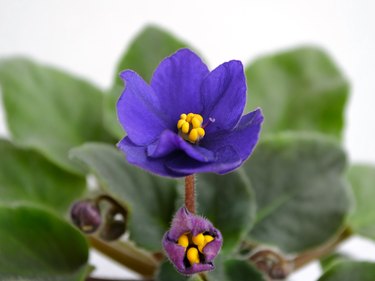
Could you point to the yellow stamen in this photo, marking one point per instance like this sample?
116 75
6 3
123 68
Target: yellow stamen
208 239
201 132
190 127
180 123
198 239
185 128
183 240
193 255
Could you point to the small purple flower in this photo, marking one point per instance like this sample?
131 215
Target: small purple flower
192 243
188 120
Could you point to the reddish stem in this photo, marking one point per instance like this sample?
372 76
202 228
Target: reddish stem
190 193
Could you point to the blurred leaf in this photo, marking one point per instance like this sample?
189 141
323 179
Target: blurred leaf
229 203
362 221
301 89
37 245
49 110
241 270
143 55
151 199
327 262
350 271
301 194
25 175
167 272
229 269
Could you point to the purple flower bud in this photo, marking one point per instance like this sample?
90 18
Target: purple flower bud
86 216
192 243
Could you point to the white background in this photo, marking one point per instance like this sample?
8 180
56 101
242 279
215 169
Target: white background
87 37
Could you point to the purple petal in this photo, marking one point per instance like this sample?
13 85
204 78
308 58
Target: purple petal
176 253
177 82
170 141
227 159
137 155
242 139
139 110
224 96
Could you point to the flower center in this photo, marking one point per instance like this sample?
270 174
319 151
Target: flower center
190 127
194 246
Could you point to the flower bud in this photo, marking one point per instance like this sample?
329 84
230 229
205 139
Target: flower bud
115 224
86 216
192 243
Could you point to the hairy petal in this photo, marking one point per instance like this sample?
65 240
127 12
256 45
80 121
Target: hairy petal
139 110
177 81
224 96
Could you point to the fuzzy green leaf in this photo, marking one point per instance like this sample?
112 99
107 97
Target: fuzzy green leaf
25 175
302 196
301 89
362 221
37 245
50 110
350 271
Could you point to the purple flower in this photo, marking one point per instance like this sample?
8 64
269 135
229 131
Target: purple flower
86 216
192 243
188 120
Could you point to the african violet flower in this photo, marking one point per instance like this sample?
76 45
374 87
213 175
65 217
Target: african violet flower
192 243
188 120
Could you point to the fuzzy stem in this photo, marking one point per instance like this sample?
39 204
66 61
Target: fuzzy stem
127 255
190 193
309 256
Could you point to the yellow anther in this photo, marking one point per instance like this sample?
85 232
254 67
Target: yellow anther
199 117
183 116
189 117
201 132
198 239
196 123
180 123
208 239
183 240
193 135
193 255
185 127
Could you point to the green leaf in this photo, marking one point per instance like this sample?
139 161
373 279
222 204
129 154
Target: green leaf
241 270
167 272
49 110
26 175
301 89
229 203
229 269
151 199
37 245
362 221
302 196
350 271
144 54
328 261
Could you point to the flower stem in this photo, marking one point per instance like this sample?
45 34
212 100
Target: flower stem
309 256
190 193
127 255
